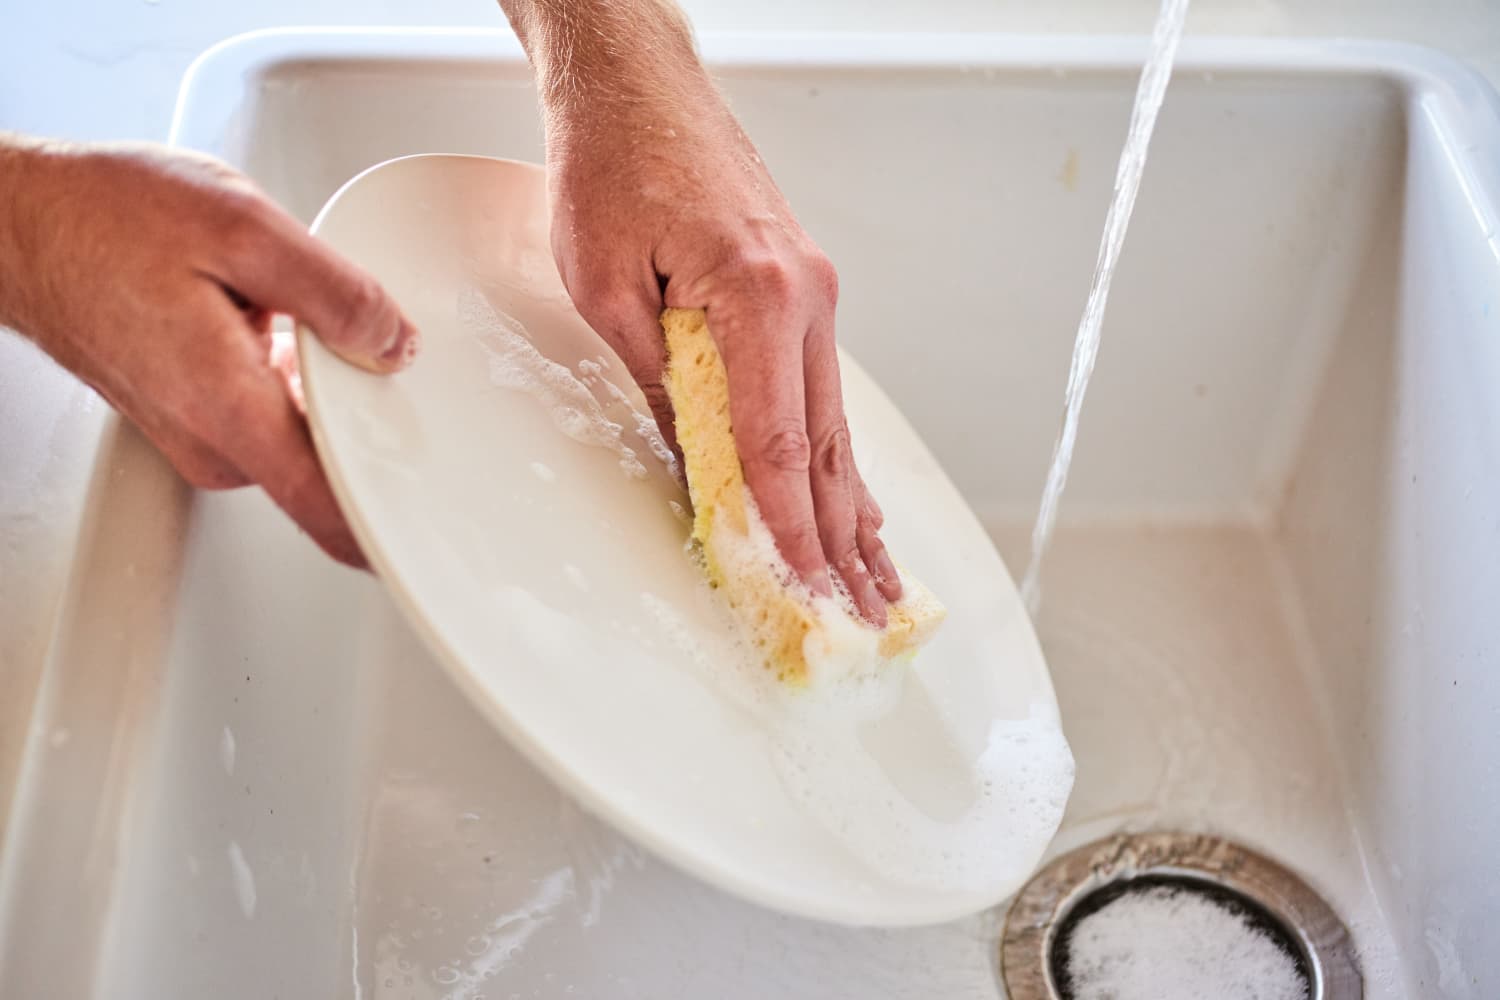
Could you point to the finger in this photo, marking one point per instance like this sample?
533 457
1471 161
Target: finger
832 473
276 265
871 548
768 410
264 435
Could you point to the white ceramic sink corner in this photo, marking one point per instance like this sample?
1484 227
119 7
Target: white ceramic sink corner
1269 612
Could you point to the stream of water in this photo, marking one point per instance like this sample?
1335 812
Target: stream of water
1148 98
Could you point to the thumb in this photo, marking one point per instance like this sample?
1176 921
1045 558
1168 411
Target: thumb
289 271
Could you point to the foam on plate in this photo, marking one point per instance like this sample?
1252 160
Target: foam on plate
515 363
1013 791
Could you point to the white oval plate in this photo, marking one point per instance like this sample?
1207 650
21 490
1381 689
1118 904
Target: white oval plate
530 563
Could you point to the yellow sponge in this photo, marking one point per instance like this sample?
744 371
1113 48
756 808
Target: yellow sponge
779 614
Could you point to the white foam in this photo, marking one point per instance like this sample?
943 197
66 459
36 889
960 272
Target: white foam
515 363
991 829
1016 791
592 373
1164 943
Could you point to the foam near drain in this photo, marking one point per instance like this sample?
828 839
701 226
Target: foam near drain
1175 939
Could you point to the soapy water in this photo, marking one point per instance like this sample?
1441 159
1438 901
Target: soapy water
1148 100
1167 943
592 373
515 363
1013 791
1017 777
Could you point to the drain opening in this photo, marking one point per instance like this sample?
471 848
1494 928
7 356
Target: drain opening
1165 915
1174 935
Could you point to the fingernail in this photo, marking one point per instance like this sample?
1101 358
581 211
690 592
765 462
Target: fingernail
403 347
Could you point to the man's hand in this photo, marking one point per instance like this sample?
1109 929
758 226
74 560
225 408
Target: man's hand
659 199
154 276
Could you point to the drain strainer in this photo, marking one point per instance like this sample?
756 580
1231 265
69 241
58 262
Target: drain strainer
1105 919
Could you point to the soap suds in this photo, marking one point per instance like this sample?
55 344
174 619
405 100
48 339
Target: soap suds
1165 943
1015 790
592 373
515 363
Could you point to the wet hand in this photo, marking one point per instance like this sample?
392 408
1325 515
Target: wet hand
663 201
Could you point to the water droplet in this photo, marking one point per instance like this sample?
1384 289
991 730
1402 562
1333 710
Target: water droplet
226 750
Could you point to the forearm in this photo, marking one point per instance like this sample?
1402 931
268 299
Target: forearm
598 58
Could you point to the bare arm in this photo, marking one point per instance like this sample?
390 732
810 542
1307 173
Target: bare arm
659 199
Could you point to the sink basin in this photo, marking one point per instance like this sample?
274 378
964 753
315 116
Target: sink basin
1268 614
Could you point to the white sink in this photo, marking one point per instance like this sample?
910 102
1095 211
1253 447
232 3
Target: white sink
1269 614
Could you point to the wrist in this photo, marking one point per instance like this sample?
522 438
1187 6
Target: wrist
601 60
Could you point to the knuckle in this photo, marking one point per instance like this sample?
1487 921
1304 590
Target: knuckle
787 449
245 230
824 275
771 278
835 456
364 302
802 546
845 556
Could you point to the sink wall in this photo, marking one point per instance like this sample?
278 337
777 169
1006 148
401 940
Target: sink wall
1391 528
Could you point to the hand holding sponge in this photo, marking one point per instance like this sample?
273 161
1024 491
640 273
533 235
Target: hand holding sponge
791 629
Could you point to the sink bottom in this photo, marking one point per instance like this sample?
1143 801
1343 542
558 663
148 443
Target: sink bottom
1176 654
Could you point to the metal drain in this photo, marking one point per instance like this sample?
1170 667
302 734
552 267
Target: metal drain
1257 890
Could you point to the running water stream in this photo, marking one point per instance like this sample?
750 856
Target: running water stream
1148 97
